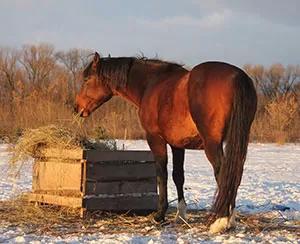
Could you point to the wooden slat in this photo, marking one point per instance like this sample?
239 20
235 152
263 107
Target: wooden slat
94 156
121 203
63 154
62 192
83 177
74 202
115 171
56 175
121 187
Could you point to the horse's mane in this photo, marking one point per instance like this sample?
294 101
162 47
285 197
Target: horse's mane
115 70
157 60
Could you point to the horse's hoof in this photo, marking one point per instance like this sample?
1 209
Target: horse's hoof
221 225
180 220
181 212
158 218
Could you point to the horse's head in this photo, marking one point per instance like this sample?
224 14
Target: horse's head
93 93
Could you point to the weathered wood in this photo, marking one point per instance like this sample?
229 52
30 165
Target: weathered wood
94 156
114 171
63 154
56 175
121 187
64 192
83 176
74 202
121 203
103 180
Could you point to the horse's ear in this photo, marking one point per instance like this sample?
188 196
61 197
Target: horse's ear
96 58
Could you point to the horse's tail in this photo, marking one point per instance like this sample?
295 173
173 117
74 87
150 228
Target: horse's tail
236 138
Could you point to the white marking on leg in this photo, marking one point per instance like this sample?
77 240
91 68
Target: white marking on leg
232 223
181 211
222 224
219 226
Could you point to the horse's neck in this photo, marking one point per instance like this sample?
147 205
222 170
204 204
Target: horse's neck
142 75
136 84
131 93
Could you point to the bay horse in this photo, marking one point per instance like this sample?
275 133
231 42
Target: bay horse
211 105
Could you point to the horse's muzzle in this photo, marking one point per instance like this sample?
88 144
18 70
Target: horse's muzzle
75 109
78 112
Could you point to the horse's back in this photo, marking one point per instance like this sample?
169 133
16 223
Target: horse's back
215 73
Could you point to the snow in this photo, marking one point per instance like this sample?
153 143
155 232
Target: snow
270 182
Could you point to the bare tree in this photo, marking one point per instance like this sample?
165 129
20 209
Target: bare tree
274 80
8 74
257 73
38 62
74 60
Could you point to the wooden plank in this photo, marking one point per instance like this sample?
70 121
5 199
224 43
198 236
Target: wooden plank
121 187
83 177
56 175
94 156
146 202
64 192
63 154
116 171
74 202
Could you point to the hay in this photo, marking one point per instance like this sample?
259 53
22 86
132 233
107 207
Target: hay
33 143
57 221
54 220
19 212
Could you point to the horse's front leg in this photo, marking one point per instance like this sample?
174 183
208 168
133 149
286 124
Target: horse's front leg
178 178
159 149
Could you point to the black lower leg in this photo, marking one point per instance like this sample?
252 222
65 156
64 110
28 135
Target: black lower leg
159 149
178 171
162 177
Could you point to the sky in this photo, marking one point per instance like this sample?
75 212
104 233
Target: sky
189 32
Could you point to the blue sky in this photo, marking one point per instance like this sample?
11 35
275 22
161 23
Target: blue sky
189 31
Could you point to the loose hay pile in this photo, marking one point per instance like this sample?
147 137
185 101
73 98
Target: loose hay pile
57 221
33 143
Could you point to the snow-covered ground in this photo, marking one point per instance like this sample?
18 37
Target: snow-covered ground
271 180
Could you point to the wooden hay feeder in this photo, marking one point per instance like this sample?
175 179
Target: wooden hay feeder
96 180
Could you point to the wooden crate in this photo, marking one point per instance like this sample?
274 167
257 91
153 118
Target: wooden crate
96 180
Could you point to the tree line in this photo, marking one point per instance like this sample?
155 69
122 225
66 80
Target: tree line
38 85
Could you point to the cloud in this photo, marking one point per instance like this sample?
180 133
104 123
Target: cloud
211 20
217 18
275 11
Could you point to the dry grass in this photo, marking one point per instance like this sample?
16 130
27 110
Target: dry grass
19 212
58 221
261 222
282 110
63 220
34 143
277 120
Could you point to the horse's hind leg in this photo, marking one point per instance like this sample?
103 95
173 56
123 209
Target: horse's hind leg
178 178
214 152
159 149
